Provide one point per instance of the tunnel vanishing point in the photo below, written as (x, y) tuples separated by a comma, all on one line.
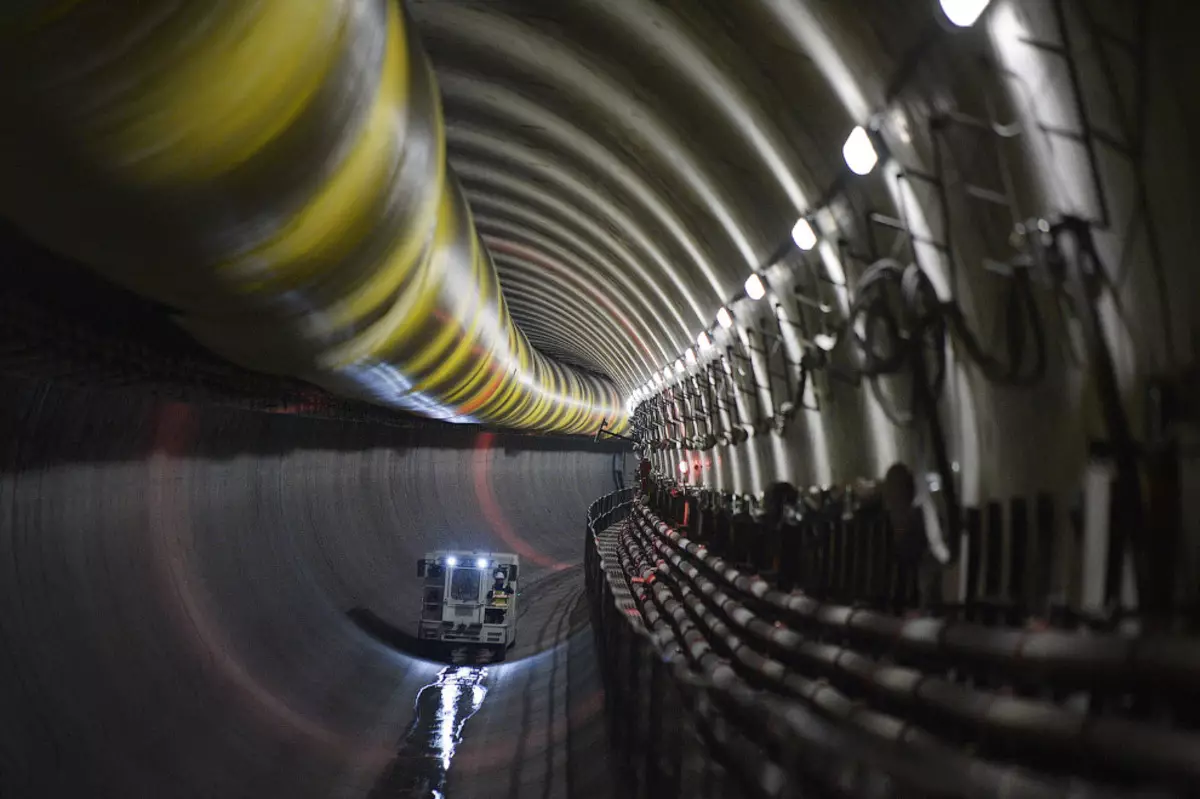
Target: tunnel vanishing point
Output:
[(830, 368)]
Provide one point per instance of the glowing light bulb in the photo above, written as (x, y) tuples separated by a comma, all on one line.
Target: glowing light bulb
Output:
[(804, 235), (755, 289), (689, 355), (723, 318), (683, 467), (824, 341), (666, 373), (703, 341), (678, 366), (451, 561), (859, 153), (481, 563), (963, 13)]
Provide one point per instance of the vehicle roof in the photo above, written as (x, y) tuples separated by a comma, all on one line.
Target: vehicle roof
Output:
[(502, 557)]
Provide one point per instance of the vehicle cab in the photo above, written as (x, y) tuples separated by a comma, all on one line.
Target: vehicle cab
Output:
[(469, 598)]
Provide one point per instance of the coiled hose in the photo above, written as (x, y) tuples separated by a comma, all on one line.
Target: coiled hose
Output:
[(275, 173), (889, 339)]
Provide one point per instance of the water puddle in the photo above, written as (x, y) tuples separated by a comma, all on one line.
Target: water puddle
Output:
[(442, 709)]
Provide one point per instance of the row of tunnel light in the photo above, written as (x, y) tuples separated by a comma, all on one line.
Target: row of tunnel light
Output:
[(861, 157)]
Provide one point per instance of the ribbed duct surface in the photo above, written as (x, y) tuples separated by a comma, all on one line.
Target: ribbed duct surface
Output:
[(276, 173)]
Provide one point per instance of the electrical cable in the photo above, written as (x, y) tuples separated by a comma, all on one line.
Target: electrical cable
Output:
[(889, 339), (889, 334), (1020, 307)]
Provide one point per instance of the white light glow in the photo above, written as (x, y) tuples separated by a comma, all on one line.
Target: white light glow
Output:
[(723, 318), (683, 467), (963, 13), (658, 379), (703, 341), (666, 373), (451, 561), (755, 289), (481, 563), (689, 355), (804, 235), (859, 153), (678, 366), (446, 720), (824, 341)]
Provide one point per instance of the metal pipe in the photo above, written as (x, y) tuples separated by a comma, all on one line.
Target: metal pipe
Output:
[(275, 174)]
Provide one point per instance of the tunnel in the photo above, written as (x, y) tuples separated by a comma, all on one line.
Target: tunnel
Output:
[(829, 367)]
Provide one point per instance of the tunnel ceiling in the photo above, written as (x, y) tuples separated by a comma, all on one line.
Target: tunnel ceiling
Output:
[(629, 163)]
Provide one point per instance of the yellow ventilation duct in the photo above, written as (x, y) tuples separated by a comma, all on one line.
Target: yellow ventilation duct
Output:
[(275, 171)]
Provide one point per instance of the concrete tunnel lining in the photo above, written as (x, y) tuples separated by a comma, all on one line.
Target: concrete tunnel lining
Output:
[(185, 632), (104, 655)]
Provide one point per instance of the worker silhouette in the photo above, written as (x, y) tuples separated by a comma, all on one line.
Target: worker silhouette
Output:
[(919, 571)]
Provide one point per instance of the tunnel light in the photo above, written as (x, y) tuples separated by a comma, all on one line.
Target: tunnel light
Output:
[(703, 341), (755, 289), (689, 355), (683, 467), (666, 373), (678, 366), (481, 563), (723, 318), (963, 13), (451, 561), (859, 153), (658, 380), (824, 341), (804, 235)]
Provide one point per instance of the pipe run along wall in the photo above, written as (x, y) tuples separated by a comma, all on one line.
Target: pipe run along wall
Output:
[(274, 172)]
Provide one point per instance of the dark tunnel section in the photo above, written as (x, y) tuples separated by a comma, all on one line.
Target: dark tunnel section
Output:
[(176, 586)]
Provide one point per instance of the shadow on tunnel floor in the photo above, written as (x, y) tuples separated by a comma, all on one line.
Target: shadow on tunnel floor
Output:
[(393, 637)]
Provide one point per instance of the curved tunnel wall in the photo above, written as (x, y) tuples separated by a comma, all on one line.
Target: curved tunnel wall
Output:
[(175, 586), (661, 151), (278, 177)]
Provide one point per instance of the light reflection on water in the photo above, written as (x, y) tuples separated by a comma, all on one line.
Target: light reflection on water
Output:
[(451, 717), (442, 709)]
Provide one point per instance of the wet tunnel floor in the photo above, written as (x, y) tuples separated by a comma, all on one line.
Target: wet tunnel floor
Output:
[(442, 710), (175, 586), (555, 614)]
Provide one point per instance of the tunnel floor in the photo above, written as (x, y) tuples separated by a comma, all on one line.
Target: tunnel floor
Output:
[(176, 587)]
